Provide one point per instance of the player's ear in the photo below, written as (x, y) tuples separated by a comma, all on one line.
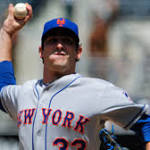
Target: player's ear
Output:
[(41, 52), (79, 52)]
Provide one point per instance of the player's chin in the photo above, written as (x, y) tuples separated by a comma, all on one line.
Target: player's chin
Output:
[(60, 68), (61, 65)]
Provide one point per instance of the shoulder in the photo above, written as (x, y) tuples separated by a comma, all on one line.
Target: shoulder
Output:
[(100, 84), (27, 84), (30, 83), (96, 82)]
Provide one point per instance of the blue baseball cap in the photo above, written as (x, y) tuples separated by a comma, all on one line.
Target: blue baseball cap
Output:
[(60, 23)]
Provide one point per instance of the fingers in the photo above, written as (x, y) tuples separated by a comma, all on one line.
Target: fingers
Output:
[(12, 24), (29, 8), (29, 15), (11, 11)]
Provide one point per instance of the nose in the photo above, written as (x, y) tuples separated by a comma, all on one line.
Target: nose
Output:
[(60, 45)]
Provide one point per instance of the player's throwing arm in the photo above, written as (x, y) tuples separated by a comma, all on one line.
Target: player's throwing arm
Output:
[(10, 27)]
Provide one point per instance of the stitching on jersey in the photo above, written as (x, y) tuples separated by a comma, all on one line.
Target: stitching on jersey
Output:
[(51, 101), (38, 96), (36, 90), (37, 93)]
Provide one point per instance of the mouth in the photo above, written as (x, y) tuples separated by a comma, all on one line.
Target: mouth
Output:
[(62, 53)]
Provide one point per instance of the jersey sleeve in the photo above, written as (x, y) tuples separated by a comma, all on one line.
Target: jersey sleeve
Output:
[(142, 127), (7, 81), (9, 97), (120, 108)]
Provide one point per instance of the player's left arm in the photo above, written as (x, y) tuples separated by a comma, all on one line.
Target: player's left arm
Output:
[(142, 127)]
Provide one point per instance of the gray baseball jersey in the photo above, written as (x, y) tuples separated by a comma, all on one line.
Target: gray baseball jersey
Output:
[(68, 113)]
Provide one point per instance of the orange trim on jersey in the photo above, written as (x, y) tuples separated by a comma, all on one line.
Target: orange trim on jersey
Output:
[(46, 112), (61, 142), (80, 124), (79, 143), (68, 119), (56, 122), (19, 121), (28, 115)]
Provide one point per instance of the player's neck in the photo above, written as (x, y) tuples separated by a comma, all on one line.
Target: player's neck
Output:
[(52, 76)]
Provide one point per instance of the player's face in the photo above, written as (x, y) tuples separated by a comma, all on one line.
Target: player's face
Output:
[(60, 53)]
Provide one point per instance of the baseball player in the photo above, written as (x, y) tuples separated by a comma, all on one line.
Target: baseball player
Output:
[(63, 110)]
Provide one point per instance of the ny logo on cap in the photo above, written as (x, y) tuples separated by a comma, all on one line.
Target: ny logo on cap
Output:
[(60, 22)]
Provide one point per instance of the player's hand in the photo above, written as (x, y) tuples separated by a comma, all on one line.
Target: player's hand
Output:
[(11, 24)]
